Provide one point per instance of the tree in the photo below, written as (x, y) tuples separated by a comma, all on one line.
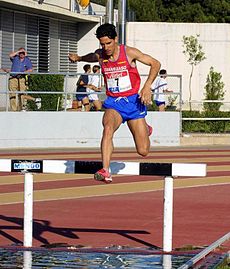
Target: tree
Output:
[(203, 11), (193, 51), (214, 91), (144, 10)]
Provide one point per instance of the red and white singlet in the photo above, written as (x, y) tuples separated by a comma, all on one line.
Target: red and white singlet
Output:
[(121, 79)]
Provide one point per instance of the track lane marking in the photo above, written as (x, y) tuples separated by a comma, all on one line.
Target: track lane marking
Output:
[(112, 189)]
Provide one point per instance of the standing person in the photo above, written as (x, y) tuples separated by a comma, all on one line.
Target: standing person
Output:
[(124, 103), (82, 99), (94, 86), (159, 87), (21, 63)]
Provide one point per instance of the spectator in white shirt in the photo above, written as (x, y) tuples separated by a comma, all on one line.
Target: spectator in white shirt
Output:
[(159, 87), (94, 86)]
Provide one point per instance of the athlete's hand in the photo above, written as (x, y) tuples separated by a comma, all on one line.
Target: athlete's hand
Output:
[(146, 96), (74, 57)]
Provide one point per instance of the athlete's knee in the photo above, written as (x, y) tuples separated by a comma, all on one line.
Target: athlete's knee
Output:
[(143, 150), (143, 153), (108, 130)]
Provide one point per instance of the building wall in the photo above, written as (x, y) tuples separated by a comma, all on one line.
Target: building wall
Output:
[(164, 42), (92, 8), (47, 40), (59, 3)]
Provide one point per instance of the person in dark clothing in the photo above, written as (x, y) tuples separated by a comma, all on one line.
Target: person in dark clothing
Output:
[(82, 99)]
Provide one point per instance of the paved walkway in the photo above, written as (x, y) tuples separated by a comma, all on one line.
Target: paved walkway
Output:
[(76, 210)]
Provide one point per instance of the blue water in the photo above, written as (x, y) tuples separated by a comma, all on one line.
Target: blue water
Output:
[(51, 259)]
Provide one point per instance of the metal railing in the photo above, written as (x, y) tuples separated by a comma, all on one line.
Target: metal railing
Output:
[(69, 89), (207, 118), (66, 93)]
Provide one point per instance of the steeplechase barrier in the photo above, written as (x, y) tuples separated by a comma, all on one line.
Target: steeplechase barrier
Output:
[(167, 170), (201, 255)]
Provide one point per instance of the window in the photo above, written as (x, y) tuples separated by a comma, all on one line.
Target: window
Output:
[(47, 41), (43, 55), (68, 43), (32, 40), (7, 29)]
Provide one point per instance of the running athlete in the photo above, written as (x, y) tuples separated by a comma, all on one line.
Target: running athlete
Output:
[(125, 101)]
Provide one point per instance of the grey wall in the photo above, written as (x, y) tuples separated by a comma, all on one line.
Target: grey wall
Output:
[(78, 129)]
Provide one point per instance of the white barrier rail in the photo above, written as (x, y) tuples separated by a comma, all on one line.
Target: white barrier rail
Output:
[(168, 170)]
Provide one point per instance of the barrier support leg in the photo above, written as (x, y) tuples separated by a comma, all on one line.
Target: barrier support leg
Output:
[(27, 259), (28, 210), (168, 214)]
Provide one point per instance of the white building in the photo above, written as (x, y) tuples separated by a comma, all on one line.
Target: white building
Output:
[(48, 31), (164, 41)]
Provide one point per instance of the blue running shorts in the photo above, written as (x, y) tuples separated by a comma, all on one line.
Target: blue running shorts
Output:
[(130, 107), (159, 103)]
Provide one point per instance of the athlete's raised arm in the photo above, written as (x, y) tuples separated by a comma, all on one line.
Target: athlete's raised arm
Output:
[(90, 57)]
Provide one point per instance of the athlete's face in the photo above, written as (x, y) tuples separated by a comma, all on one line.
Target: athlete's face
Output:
[(108, 45)]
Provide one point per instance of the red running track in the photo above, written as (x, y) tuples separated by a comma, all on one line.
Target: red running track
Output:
[(201, 212)]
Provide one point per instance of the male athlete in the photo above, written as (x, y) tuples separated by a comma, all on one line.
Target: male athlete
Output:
[(124, 103)]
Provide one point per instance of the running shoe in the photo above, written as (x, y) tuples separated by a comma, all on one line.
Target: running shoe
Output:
[(150, 129), (103, 175)]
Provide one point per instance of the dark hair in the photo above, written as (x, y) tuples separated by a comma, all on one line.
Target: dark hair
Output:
[(163, 72), (96, 68), (86, 67), (106, 29)]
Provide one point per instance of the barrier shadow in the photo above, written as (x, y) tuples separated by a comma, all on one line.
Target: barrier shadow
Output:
[(42, 226)]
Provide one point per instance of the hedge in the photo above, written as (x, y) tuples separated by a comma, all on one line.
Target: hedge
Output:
[(46, 83)]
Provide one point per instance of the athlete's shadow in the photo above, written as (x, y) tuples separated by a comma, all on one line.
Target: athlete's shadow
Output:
[(116, 167), (42, 226), (39, 227), (91, 167)]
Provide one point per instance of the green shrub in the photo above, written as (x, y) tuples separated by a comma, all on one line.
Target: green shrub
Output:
[(46, 83), (153, 106), (191, 114), (214, 90), (205, 126), (225, 264), (215, 126)]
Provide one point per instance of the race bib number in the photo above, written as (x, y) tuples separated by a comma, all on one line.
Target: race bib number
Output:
[(118, 81)]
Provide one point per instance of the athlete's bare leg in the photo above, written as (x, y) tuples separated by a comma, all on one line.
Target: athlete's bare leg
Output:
[(138, 128), (111, 122)]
